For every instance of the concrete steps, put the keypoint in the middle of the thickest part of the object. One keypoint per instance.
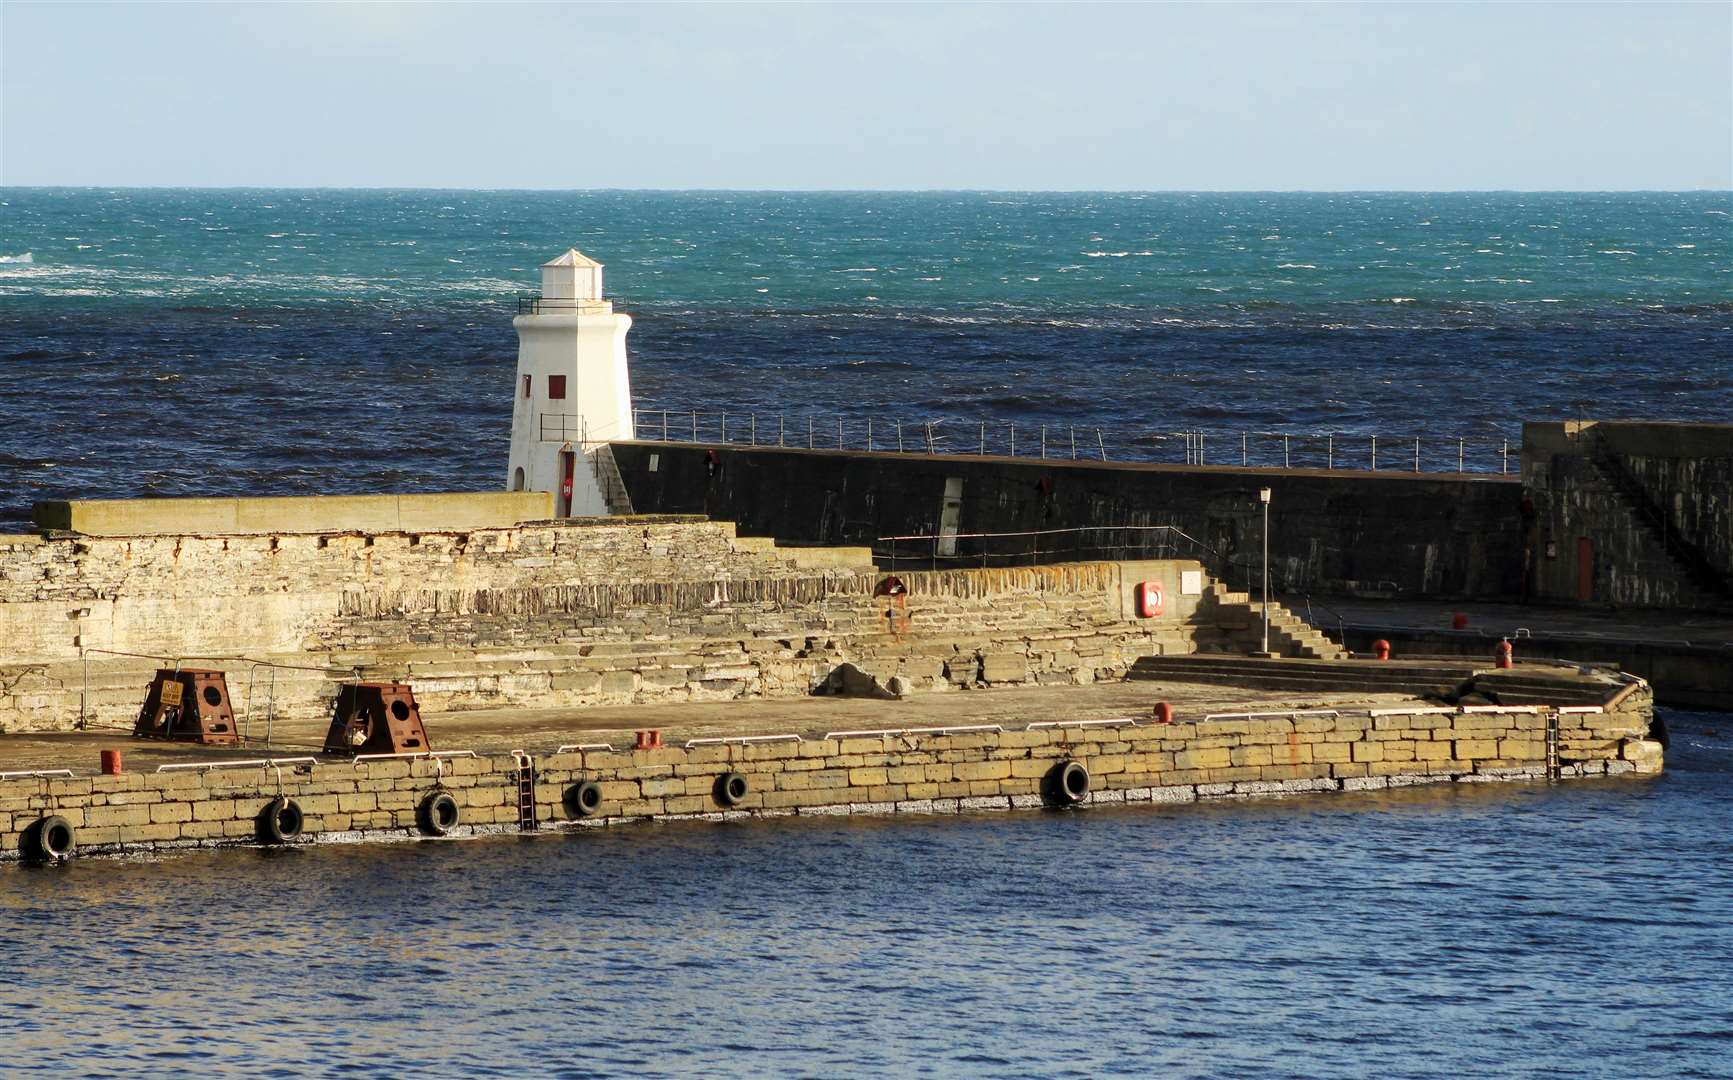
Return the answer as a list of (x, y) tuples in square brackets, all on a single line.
[(1241, 619), (609, 480), (1371, 677)]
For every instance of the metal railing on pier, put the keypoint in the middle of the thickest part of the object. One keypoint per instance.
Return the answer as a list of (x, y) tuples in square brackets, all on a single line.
[(1329, 451), (944, 550)]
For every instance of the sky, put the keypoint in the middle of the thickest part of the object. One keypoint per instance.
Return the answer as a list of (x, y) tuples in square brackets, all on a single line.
[(1613, 96)]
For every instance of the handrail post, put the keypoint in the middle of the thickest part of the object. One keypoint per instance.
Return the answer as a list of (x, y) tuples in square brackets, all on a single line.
[(1459, 455), (754, 429), (870, 435), (664, 425), (1284, 451), (781, 430), (694, 425), (810, 444), (1506, 451), (1374, 453), (1330, 451), (1102, 443), (1244, 460), (839, 433), (1043, 442), (724, 427), (1013, 428), (1416, 453), (1073, 442), (899, 436), (983, 438)]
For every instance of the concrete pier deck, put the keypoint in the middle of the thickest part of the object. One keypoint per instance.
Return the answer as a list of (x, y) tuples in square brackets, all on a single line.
[(540, 731)]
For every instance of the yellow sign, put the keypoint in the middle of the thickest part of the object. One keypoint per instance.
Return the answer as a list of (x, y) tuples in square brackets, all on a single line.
[(171, 693)]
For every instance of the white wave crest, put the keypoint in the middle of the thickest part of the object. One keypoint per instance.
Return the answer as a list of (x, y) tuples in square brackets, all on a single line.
[(23, 260)]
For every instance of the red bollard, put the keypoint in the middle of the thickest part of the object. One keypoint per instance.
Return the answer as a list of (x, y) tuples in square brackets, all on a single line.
[(1381, 649), (1502, 654), (111, 762), (1163, 713), (1459, 621), (642, 742), (656, 739)]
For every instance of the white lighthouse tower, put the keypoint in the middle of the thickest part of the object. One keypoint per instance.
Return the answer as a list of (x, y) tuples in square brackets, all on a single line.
[(572, 393)]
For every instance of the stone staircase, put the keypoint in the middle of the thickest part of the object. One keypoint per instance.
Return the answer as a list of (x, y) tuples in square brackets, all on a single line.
[(1704, 585), (1238, 620), (608, 479)]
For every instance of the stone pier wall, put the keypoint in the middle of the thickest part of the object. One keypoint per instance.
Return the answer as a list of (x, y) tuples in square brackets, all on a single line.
[(604, 611), (891, 773)]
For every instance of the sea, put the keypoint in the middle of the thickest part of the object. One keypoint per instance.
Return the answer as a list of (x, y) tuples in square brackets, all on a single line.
[(1574, 930), (179, 342), (165, 342)]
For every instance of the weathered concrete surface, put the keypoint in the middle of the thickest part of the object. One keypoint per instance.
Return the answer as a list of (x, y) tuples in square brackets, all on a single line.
[(1631, 514), (1411, 533), (443, 512)]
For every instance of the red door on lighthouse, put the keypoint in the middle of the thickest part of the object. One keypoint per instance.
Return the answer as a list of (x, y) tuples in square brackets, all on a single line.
[(568, 466)]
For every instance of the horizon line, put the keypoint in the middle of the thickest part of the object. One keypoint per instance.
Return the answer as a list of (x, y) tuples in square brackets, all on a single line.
[(880, 191)]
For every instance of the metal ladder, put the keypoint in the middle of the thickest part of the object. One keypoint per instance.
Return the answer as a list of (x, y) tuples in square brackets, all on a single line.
[(526, 790)]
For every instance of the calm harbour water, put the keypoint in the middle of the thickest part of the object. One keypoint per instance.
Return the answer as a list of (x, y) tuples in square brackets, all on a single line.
[(1583, 929)]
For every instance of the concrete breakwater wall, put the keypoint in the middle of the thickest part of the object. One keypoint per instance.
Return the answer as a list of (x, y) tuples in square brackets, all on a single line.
[(598, 611), (1347, 531), (892, 772), (1631, 513)]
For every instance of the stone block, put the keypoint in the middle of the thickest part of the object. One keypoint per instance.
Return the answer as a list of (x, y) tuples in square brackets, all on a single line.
[(170, 812), (1003, 667), (619, 682), (1519, 749), (983, 770), (1217, 758), (1644, 755)]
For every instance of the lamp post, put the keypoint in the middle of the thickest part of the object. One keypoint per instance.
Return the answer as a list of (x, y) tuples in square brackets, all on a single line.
[(1264, 497)]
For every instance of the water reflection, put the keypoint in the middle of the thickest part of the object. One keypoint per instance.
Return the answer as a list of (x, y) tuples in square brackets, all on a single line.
[(1576, 930)]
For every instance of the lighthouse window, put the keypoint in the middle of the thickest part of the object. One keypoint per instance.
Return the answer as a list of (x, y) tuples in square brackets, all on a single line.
[(557, 387), (526, 386)]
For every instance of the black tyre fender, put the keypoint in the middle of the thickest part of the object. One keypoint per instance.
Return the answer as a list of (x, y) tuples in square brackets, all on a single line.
[(49, 839), (1067, 783), (1658, 729), (584, 798), (438, 814), (280, 821), (732, 788)]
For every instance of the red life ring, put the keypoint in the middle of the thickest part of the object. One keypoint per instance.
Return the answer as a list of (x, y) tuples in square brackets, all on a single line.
[(1150, 600)]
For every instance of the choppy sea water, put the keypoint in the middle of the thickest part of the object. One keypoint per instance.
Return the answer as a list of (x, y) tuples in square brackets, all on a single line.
[(276, 342), (1575, 930)]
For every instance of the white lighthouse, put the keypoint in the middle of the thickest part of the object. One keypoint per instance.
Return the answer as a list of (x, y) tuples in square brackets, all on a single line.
[(572, 393)]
